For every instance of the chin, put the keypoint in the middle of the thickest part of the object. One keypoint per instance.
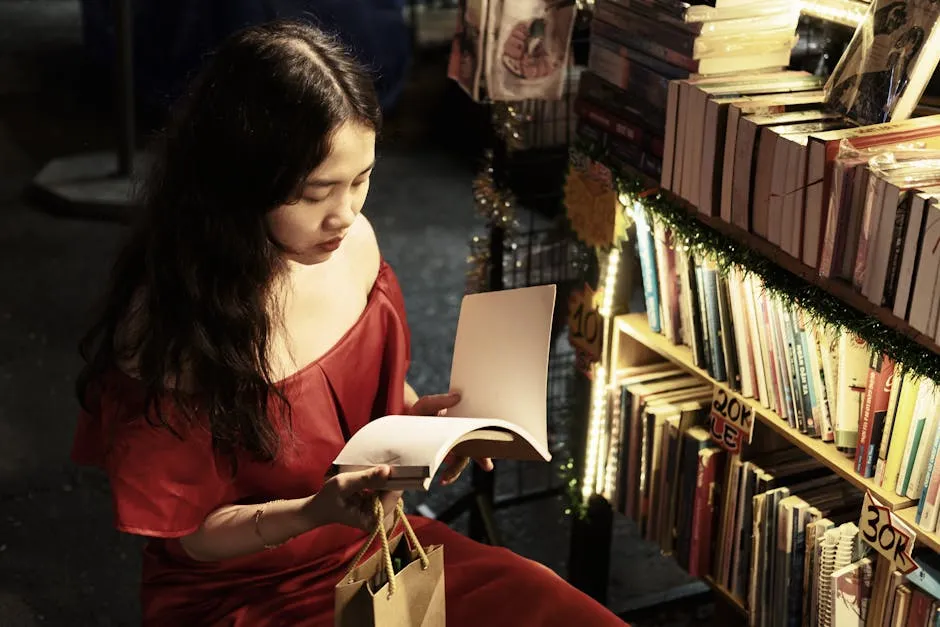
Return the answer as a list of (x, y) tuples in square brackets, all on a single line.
[(310, 258)]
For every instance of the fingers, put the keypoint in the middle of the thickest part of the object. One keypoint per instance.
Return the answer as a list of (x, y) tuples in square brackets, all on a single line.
[(453, 470), (485, 463), (372, 479), (456, 465), (435, 404)]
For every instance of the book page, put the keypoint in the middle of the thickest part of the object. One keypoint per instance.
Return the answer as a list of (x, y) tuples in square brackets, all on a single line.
[(500, 364), (409, 443)]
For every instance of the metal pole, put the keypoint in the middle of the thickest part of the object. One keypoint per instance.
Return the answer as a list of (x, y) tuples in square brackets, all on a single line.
[(124, 85)]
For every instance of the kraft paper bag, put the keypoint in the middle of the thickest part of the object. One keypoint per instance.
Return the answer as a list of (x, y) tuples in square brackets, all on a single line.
[(372, 594)]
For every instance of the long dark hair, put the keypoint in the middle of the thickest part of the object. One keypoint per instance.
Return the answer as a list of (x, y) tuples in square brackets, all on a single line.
[(189, 298)]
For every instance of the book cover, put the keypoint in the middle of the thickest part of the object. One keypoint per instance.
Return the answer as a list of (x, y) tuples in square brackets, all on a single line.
[(888, 63), (528, 42), (851, 587)]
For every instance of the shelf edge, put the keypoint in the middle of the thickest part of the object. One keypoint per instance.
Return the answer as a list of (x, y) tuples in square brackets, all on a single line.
[(633, 326)]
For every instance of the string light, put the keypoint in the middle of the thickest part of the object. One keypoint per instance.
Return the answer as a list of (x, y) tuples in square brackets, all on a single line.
[(600, 469), (598, 407)]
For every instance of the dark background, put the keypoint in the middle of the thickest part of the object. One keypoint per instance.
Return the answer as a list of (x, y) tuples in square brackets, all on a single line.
[(61, 563)]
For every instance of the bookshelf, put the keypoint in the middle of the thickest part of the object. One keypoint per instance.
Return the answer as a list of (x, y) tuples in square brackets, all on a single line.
[(928, 539), (729, 599), (630, 464), (840, 289), (635, 327)]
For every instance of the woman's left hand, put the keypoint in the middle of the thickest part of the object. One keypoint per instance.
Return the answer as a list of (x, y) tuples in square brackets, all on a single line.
[(437, 405)]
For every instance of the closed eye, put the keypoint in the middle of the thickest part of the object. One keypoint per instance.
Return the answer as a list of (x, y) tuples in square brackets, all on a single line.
[(313, 198)]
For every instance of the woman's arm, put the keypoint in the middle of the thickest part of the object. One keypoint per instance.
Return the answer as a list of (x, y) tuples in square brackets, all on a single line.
[(237, 530)]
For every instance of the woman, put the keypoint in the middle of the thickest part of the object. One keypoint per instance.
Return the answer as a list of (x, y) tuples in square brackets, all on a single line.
[(251, 326)]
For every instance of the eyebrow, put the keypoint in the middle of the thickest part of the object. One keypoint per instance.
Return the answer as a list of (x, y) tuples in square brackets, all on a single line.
[(328, 183)]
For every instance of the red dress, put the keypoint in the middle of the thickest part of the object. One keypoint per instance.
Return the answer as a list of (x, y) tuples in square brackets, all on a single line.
[(163, 487)]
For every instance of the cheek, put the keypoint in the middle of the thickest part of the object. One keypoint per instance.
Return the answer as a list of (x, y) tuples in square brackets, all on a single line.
[(290, 225), (360, 196)]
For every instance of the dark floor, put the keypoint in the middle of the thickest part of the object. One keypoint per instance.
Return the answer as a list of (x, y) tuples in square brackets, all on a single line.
[(60, 562)]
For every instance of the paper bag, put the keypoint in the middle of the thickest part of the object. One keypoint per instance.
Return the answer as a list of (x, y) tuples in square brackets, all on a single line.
[(376, 594)]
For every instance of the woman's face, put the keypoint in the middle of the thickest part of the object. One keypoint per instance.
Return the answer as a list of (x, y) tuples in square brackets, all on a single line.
[(310, 230)]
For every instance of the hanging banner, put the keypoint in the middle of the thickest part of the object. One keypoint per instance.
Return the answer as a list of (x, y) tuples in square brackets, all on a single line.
[(887, 534), (731, 420)]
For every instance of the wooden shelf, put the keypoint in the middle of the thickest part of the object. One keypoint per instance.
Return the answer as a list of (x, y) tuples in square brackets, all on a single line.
[(637, 327), (926, 538), (726, 596), (839, 289)]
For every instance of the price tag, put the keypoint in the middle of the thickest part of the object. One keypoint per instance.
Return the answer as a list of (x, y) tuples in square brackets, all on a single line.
[(731, 420), (585, 328), (887, 534), (592, 203)]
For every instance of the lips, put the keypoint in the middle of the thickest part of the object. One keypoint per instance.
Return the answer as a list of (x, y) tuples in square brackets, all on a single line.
[(331, 245)]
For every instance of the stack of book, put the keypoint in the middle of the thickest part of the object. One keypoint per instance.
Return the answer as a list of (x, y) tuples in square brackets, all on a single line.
[(774, 528), (788, 157), (883, 221), (638, 46), (824, 383)]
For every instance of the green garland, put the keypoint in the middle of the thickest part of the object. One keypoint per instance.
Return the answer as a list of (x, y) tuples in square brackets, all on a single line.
[(821, 306)]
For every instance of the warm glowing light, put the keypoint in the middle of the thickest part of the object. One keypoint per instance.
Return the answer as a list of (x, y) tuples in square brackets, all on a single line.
[(846, 12), (598, 466), (598, 407)]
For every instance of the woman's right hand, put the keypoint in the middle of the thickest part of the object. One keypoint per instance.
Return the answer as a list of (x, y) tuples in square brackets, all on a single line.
[(347, 499)]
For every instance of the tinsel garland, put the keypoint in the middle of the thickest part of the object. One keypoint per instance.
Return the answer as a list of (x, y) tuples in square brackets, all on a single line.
[(498, 207), (821, 306)]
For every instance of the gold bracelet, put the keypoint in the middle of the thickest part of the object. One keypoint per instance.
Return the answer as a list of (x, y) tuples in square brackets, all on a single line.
[(257, 518)]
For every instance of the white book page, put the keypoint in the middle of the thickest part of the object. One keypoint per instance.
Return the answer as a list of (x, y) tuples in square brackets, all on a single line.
[(423, 441), (500, 365)]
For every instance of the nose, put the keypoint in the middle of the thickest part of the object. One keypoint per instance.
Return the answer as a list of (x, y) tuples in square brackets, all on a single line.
[(343, 216)]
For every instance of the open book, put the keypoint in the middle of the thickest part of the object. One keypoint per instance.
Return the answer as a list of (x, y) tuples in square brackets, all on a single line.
[(500, 368)]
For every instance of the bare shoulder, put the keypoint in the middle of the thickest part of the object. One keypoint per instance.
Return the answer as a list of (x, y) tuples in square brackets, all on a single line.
[(364, 256)]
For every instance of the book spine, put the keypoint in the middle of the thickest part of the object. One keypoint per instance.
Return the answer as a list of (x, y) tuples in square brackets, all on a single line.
[(699, 514), (810, 372), (714, 325), (892, 276), (864, 422), (926, 508), (645, 249), (799, 347), (637, 26), (703, 316), (617, 125), (646, 46), (632, 80), (884, 383)]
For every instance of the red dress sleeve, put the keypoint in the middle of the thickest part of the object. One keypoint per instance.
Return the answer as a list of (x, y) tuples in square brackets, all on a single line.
[(162, 484), (397, 299)]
